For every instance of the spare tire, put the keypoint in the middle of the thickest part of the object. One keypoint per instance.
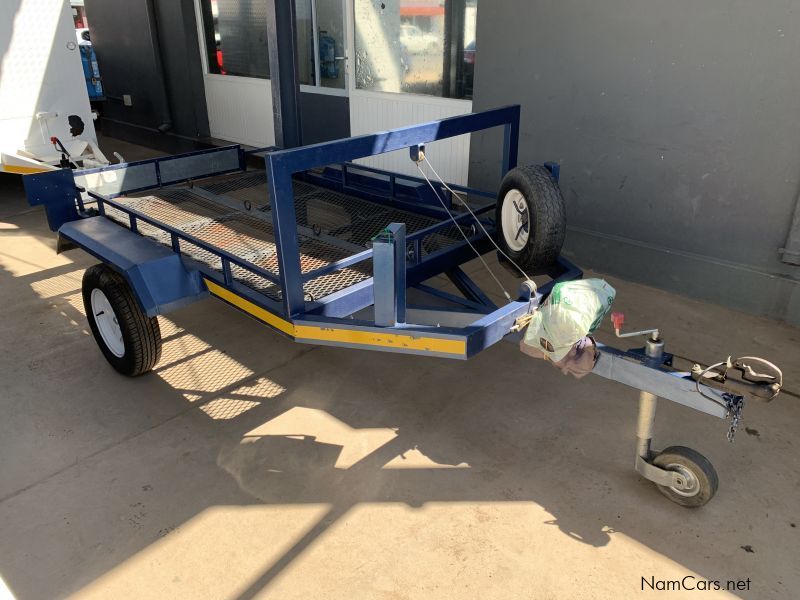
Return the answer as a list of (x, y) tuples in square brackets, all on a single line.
[(531, 218)]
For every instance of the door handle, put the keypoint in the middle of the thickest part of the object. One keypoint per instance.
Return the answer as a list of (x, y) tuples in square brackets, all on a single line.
[(339, 58)]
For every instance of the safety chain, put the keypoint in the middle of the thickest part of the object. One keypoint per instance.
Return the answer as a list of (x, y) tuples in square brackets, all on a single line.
[(735, 404)]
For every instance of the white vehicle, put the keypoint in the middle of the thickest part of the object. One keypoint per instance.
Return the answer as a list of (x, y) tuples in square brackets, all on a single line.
[(46, 121), (416, 41)]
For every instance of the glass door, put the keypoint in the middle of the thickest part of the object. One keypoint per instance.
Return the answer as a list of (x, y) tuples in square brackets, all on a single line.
[(233, 45), (322, 45), (322, 61)]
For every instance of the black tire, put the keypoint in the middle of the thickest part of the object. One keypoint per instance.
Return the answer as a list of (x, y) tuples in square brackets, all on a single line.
[(141, 334), (688, 461), (546, 217)]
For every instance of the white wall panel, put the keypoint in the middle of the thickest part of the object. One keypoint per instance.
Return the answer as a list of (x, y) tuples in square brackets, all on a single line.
[(240, 109), (371, 112)]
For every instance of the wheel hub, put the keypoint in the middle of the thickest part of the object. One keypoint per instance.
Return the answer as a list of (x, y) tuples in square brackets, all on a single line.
[(515, 218), (107, 323), (690, 486)]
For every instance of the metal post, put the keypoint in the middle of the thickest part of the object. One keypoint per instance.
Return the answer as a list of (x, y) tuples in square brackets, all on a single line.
[(510, 143), (389, 273), (644, 426), (284, 227), (654, 349), (282, 46)]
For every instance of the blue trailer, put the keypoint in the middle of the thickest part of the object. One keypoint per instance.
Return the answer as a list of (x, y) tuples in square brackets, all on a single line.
[(327, 251)]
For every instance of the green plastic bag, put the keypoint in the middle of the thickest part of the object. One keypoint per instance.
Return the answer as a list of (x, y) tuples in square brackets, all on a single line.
[(573, 310)]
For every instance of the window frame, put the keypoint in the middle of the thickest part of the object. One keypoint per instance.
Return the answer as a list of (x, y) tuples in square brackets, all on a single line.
[(206, 33)]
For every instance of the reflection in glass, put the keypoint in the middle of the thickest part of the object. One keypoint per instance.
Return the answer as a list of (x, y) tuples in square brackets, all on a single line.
[(330, 28), (236, 37), (321, 57), (416, 46), (305, 42)]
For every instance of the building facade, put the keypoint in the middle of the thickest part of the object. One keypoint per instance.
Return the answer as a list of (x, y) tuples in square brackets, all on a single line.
[(676, 124)]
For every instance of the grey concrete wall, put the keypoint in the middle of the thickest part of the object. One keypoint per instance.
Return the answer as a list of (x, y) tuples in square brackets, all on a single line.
[(324, 117), (678, 128), (122, 36)]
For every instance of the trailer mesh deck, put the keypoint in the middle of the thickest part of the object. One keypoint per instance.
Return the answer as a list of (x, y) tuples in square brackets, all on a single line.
[(232, 213)]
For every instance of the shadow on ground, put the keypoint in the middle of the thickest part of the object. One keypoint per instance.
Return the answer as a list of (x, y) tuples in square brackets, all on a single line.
[(491, 473)]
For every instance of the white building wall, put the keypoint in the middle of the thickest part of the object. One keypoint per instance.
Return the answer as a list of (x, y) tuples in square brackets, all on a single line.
[(371, 112)]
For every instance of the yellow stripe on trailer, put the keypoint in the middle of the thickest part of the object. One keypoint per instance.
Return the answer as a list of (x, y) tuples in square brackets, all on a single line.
[(20, 170), (259, 313), (380, 339), (314, 333)]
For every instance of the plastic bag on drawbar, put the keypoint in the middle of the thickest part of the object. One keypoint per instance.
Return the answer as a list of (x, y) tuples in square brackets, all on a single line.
[(573, 310)]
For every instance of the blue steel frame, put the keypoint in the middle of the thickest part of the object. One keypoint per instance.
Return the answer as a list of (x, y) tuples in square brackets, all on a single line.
[(163, 280), (476, 320), (157, 162), (58, 192), (281, 165)]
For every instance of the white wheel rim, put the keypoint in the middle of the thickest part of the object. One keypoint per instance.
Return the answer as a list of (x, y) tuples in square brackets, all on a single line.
[(107, 323), (515, 217)]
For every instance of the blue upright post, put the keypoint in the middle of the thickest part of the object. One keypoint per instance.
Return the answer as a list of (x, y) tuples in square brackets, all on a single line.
[(285, 231), (511, 142), (389, 273)]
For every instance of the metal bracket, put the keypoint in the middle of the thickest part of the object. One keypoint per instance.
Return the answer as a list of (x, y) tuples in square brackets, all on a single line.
[(660, 476), (555, 170), (389, 274), (56, 191)]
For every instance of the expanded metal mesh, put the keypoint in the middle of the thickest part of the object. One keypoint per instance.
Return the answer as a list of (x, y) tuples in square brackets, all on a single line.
[(327, 212), (238, 181), (332, 226), (350, 218), (250, 187)]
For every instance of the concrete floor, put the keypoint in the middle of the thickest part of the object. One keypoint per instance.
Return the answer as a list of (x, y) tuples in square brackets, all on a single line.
[(249, 466)]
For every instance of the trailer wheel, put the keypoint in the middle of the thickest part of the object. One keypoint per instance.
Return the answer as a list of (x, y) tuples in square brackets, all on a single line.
[(128, 338), (531, 217), (697, 471)]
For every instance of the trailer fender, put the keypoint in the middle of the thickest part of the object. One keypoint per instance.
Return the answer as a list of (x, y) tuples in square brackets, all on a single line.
[(159, 278)]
